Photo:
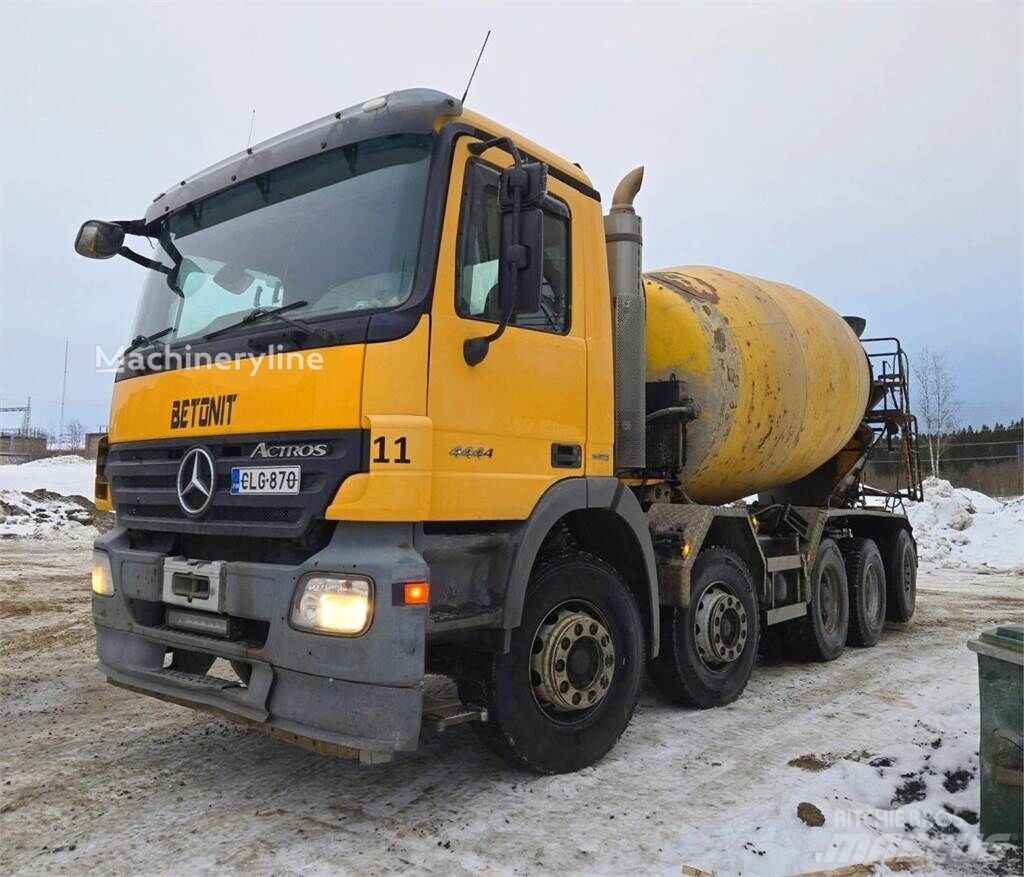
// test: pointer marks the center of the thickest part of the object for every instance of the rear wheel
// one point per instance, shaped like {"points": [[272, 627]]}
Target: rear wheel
{"points": [[708, 649], [566, 690], [820, 635], [901, 577], [865, 575]]}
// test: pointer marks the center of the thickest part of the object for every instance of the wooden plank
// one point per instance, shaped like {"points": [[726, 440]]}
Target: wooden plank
{"points": [[866, 869], [860, 869]]}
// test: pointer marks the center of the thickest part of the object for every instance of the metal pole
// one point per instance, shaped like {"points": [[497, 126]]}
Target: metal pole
{"points": [[63, 393]]}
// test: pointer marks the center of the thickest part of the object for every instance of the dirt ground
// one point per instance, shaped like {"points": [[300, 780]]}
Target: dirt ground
{"points": [[95, 778]]}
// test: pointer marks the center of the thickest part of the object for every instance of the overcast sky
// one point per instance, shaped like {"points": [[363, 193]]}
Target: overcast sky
{"points": [[870, 154]]}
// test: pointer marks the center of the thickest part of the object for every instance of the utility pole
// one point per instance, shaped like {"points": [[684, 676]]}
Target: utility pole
{"points": [[26, 415], [63, 393]]}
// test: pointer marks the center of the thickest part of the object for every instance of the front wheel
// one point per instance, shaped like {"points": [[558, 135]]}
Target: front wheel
{"points": [[708, 649], [195, 663], [243, 671], [562, 695]]}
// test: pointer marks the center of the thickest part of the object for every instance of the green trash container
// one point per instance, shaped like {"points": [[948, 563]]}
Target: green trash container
{"points": [[1001, 678]]}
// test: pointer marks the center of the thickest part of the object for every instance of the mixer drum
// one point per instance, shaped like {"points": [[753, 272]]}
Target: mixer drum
{"points": [[781, 381]]}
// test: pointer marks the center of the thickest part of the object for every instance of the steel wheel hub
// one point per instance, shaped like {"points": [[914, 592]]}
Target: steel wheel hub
{"points": [[573, 660], [720, 623], [873, 592], [909, 573], [830, 601]]}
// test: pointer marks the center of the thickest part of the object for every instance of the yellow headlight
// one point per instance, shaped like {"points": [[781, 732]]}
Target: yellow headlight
{"points": [[342, 606], [102, 577]]}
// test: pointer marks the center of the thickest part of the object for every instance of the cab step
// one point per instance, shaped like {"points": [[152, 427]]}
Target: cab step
{"points": [[439, 716]]}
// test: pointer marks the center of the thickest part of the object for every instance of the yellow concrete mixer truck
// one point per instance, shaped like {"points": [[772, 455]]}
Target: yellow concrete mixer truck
{"points": [[401, 404]]}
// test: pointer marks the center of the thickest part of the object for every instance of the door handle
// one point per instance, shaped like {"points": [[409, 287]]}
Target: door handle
{"points": [[566, 456]]}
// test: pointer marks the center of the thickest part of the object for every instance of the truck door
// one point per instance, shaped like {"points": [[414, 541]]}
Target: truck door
{"points": [[509, 427]]}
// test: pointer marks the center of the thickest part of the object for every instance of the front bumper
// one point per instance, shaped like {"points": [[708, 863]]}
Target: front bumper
{"points": [[360, 693]]}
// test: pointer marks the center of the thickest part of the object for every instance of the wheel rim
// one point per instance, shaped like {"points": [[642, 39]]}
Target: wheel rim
{"points": [[909, 574], [720, 626], [872, 593], [829, 601], [572, 663]]}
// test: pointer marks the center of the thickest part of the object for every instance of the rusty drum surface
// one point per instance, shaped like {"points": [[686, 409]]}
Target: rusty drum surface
{"points": [[780, 379]]}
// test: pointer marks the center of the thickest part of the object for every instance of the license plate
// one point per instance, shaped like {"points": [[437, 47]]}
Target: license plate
{"points": [[265, 479]]}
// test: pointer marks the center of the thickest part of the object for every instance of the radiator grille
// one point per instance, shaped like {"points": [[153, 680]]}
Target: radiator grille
{"points": [[143, 482]]}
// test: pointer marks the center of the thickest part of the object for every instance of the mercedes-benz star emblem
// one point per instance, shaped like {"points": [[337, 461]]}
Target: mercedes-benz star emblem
{"points": [[196, 481]]}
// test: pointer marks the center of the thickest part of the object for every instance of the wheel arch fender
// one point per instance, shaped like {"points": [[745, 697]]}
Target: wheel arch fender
{"points": [[881, 527], [736, 533], [607, 519]]}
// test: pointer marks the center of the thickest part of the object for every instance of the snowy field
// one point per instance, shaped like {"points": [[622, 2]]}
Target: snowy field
{"points": [[48, 498], [958, 528], [68, 475], [883, 742]]}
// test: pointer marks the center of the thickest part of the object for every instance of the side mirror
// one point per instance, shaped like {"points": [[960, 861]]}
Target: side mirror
{"points": [[522, 264], [521, 190], [528, 181], [99, 240]]}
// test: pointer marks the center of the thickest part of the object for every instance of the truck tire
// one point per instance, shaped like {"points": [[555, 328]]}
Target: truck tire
{"points": [[562, 695], [820, 635], [865, 576], [708, 649], [197, 663], [901, 577], [243, 671]]}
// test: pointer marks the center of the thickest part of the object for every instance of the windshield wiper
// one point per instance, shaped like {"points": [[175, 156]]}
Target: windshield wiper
{"points": [[146, 340], [257, 314]]}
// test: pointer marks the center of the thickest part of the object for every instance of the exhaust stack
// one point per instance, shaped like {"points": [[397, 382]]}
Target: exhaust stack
{"points": [[624, 241]]}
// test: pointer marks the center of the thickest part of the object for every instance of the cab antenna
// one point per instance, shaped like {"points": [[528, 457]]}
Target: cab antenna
{"points": [[252, 122], [477, 64]]}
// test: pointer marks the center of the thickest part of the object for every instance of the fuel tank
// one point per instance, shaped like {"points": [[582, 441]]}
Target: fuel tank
{"points": [[780, 380]]}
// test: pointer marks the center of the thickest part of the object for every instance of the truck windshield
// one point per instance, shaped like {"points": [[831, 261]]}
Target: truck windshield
{"points": [[339, 231]]}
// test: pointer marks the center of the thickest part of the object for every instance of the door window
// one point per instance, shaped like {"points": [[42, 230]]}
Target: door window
{"points": [[476, 293]]}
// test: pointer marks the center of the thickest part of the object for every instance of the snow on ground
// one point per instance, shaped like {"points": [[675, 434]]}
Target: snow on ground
{"points": [[918, 798], [883, 741], [46, 497], [67, 475], [958, 528], [41, 514]]}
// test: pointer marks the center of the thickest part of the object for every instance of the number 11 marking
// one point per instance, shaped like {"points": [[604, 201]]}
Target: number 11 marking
{"points": [[381, 445]]}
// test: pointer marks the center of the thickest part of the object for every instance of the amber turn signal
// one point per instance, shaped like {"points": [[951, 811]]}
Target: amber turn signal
{"points": [[416, 594]]}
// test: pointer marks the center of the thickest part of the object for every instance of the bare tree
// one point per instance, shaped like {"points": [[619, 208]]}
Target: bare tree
{"points": [[935, 402], [74, 434]]}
